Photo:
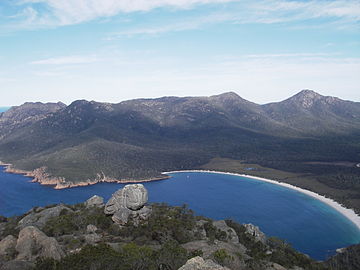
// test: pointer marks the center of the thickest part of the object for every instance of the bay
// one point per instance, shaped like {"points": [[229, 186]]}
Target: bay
{"points": [[310, 225]]}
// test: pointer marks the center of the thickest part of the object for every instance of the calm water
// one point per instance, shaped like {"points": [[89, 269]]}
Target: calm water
{"points": [[309, 225], [4, 109]]}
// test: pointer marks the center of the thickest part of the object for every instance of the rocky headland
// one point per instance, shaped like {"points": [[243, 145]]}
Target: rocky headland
{"points": [[128, 233], [41, 176]]}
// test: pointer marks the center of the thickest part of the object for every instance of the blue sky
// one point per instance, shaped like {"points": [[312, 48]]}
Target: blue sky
{"points": [[113, 50]]}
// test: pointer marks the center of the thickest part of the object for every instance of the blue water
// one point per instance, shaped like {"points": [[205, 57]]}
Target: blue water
{"points": [[309, 225], [4, 109]]}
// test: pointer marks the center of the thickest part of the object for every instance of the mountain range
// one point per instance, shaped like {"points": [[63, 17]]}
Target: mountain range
{"points": [[138, 139]]}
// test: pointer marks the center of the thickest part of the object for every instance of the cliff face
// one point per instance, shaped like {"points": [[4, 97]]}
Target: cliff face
{"points": [[83, 236]]}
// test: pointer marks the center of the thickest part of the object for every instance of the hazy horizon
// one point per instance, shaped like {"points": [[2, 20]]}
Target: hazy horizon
{"points": [[68, 103]]}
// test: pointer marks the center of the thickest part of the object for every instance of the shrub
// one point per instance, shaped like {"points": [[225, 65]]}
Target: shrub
{"points": [[171, 255], [164, 224], [222, 257]]}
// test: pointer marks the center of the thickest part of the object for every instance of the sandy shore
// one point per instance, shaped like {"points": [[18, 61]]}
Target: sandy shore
{"points": [[348, 213], [42, 178]]}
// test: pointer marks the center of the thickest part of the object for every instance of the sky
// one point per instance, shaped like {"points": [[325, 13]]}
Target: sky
{"points": [[115, 50]]}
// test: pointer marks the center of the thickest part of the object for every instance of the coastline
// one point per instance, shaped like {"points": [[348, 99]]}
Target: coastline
{"points": [[40, 176], [346, 212]]}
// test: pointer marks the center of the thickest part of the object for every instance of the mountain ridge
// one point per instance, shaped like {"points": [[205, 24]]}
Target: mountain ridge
{"points": [[139, 139]]}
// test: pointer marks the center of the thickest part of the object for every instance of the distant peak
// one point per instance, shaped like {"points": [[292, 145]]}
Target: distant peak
{"points": [[227, 95], [307, 98], [79, 102], [308, 93]]}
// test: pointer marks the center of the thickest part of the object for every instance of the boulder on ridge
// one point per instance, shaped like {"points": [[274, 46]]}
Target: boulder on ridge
{"points": [[231, 235], [132, 197], [128, 202], [198, 263], [255, 232], [33, 243], [95, 201], [7, 246], [39, 219]]}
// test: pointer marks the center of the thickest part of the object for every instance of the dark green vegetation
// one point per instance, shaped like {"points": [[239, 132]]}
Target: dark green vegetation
{"points": [[313, 138], [167, 240], [129, 256]]}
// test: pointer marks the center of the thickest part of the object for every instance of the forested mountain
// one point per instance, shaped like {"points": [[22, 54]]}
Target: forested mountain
{"points": [[138, 139]]}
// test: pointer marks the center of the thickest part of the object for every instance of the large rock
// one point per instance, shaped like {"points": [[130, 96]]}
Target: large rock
{"points": [[129, 202], [7, 246], [198, 263], [95, 201], [33, 243], [92, 238], [274, 266], [200, 231], [143, 213], [132, 197], [230, 232], [254, 231], [91, 228], [121, 216], [39, 219]]}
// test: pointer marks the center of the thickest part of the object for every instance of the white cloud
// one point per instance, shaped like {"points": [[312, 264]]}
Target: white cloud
{"points": [[66, 60], [288, 55], [183, 25], [66, 12], [341, 14], [301, 10]]}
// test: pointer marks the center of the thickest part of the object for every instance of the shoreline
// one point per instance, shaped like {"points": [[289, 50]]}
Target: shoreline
{"points": [[346, 212], [40, 176]]}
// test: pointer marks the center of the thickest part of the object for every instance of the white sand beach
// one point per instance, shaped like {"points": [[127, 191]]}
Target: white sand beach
{"points": [[348, 213]]}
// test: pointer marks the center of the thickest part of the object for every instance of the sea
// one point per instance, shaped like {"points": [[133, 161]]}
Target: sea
{"points": [[309, 225], [4, 109]]}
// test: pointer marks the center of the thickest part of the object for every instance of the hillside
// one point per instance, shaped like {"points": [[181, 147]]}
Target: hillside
{"points": [[307, 135], [94, 235]]}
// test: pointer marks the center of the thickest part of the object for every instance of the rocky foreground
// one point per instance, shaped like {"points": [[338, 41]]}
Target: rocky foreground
{"points": [[128, 233]]}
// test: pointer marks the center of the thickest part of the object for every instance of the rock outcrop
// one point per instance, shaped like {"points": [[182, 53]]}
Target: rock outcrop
{"points": [[7, 246], [132, 197], [230, 232], [255, 232], [198, 263], [39, 218], [92, 237], [207, 249], [95, 201], [33, 243], [275, 266], [91, 228], [128, 202]]}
